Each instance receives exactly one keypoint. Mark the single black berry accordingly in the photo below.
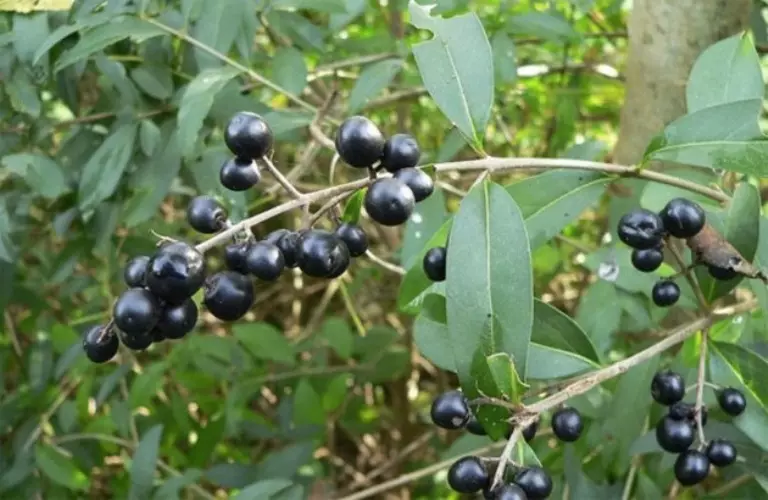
(177, 320)
(136, 311)
(248, 135)
(732, 401)
(359, 142)
(641, 229)
(321, 253)
(157, 335)
(135, 271)
(475, 427)
(100, 346)
(691, 467)
(265, 261)
(683, 218)
(239, 174)
(228, 295)
(450, 410)
(354, 237)
(535, 482)
(418, 181)
(137, 342)
(389, 201)
(567, 424)
(647, 260)
(665, 293)
(468, 475)
(176, 272)
(234, 256)
(721, 452)
(674, 436)
(434, 263)
(206, 215)
(722, 273)
(286, 241)
(400, 151)
(505, 492)
(667, 387)
(687, 412)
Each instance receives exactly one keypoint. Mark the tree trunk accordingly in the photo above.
(665, 38)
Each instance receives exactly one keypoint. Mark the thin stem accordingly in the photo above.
(384, 264)
(509, 448)
(689, 276)
(281, 179)
(329, 206)
(700, 381)
(350, 306)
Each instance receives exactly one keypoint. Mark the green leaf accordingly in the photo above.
(27, 33)
(264, 341)
(307, 405)
(372, 80)
(329, 6)
(149, 136)
(336, 332)
(146, 385)
(504, 58)
(597, 320)
(263, 490)
(506, 377)
(547, 363)
(289, 70)
(549, 26)
(97, 183)
(492, 417)
(154, 79)
(555, 329)
(725, 72)
(354, 8)
(424, 222)
(217, 27)
(489, 286)
(105, 35)
(457, 69)
(307, 36)
(430, 333)
(353, 207)
(415, 283)
(196, 103)
(60, 469)
(144, 462)
(171, 488)
(66, 30)
(656, 195)
(23, 93)
(41, 174)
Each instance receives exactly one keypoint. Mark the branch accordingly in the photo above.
(281, 179)
(700, 382)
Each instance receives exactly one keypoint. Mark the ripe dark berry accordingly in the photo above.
(665, 293)
(687, 412)
(389, 201)
(450, 410)
(248, 135)
(157, 335)
(136, 311)
(535, 482)
(286, 241)
(100, 346)
(722, 273)
(176, 272)
(206, 215)
(475, 427)
(567, 424)
(641, 229)
(468, 475)
(721, 452)
(234, 256)
(418, 181)
(667, 387)
(434, 263)
(321, 253)
(528, 433)
(137, 342)
(177, 320)
(265, 261)
(683, 218)
(400, 151)
(237, 174)
(359, 142)
(506, 492)
(691, 467)
(135, 271)
(674, 436)
(732, 401)
(647, 260)
(228, 295)
(354, 237)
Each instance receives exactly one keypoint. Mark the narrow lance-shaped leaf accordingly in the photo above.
(144, 462)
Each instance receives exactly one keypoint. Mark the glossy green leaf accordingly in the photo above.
(372, 80)
(41, 174)
(354, 8)
(426, 219)
(598, 321)
(217, 28)
(289, 70)
(547, 363)
(263, 490)
(144, 462)
(154, 79)
(60, 469)
(457, 68)
(28, 32)
(549, 26)
(555, 329)
(353, 207)
(336, 333)
(415, 284)
(172, 487)
(305, 34)
(264, 341)
(485, 384)
(504, 58)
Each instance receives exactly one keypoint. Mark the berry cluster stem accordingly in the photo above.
(281, 179)
(509, 449)
(700, 383)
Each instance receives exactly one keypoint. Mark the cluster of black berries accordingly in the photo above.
(451, 410)
(676, 431)
(645, 231)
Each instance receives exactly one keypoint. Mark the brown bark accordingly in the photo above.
(665, 38)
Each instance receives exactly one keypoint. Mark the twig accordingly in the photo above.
(689, 276)
(64, 393)
(509, 448)
(329, 206)
(384, 264)
(280, 178)
(700, 382)
(355, 61)
(11, 327)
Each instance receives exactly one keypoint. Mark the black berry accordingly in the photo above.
(732, 401)
(434, 263)
(135, 271)
(137, 342)
(667, 387)
(206, 215)
(136, 311)
(177, 320)
(419, 182)
(475, 427)
(722, 273)
(228, 295)
(157, 335)
(354, 237)
(321, 253)
(691, 467)
(100, 346)
(248, 136)
(535, 482)
(239, 174)
(683, 218)
(265, 261)
(647, 260)
(506, 492)
(359, 142)
(400, 151)
(528, 433)
(389, 201)
(721, 452)
(665, 293)
(286, 241)
(641, 229)
(567, 424)
(176, 272)
(450, 410)
(234, 256)
(468, 475)
(674, 436)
